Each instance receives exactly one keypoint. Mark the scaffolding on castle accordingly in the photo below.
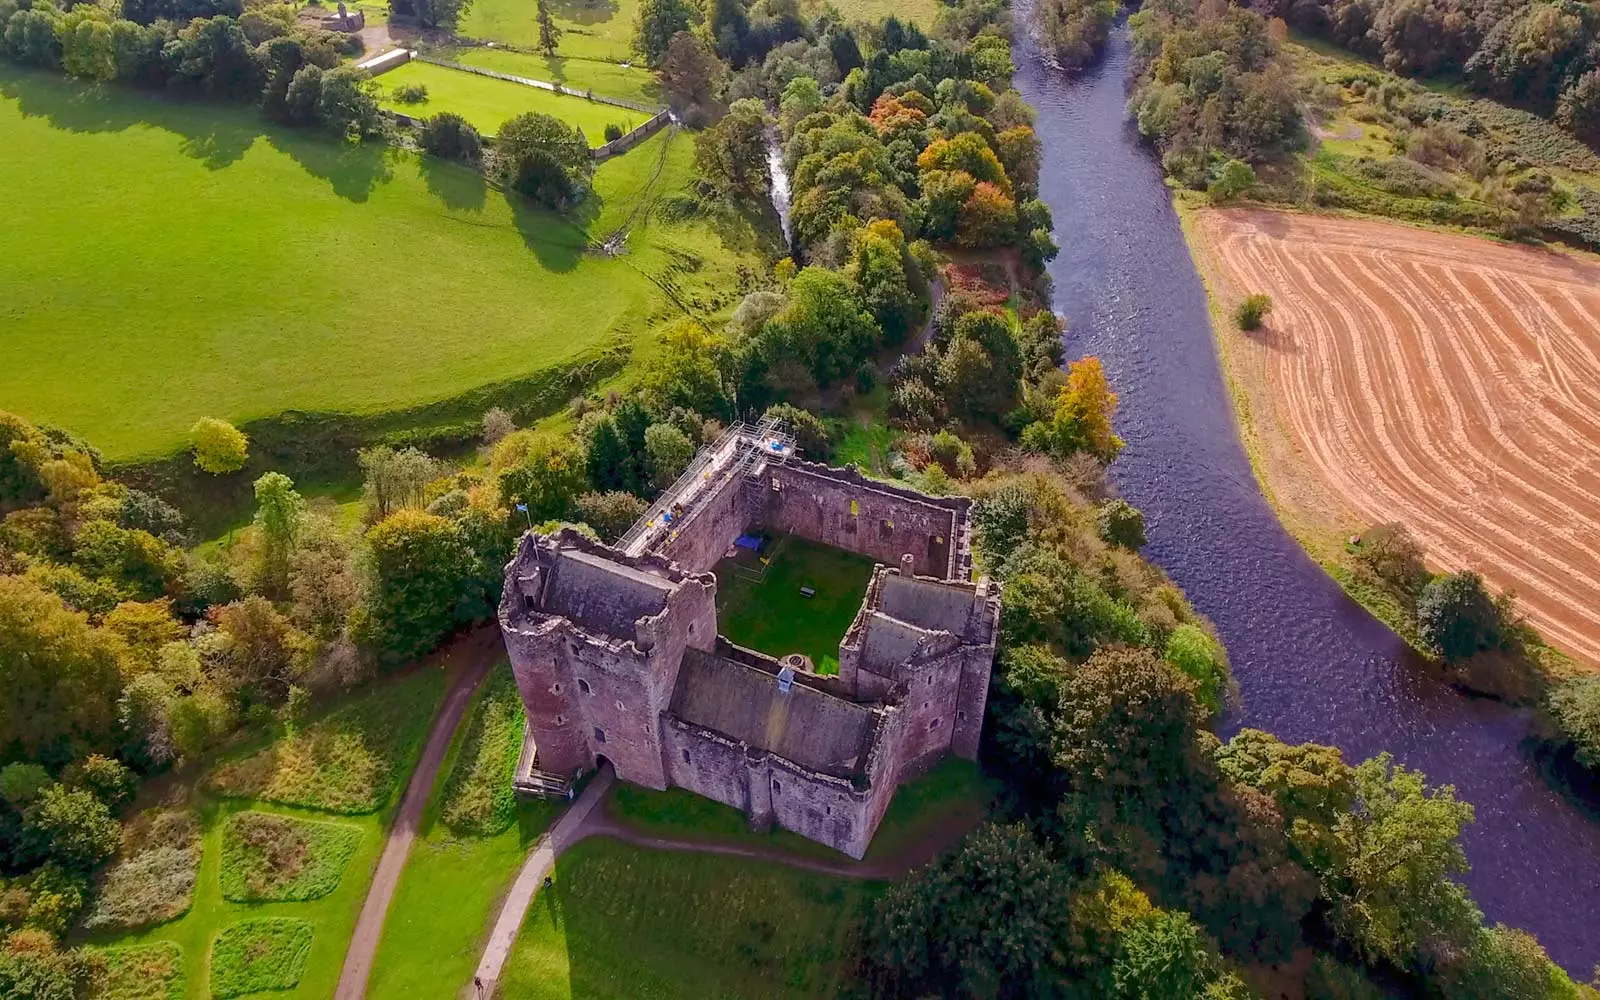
(738, 450)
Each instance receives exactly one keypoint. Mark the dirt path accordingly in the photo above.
(469, 659)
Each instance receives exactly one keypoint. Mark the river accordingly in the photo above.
(1311, 664)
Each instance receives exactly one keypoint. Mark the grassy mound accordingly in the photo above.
(271, 857)
(253, 956)
(350, 761)
(624, 923)
(477, 799)
(142, 972)
(154, 881)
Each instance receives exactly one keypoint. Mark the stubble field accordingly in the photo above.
(1448, 383)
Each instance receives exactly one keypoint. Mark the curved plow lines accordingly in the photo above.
(1448, 383)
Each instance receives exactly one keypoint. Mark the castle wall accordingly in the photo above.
(842, 509)
(702, 540)
(549, 696)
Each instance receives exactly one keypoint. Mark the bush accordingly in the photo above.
(810, 434)
(410, 93)
(1233, 179)
(1199, 658)
(613, 132)
(1575, 707)
(253, 956)
(219, 447)
(610, 514)
(450, 137)
(1119, 522)
(269, 857)
(142, 972)
(150, 886)
(1456, 616)
(1252, 311)
(478, 799)
(349, 762)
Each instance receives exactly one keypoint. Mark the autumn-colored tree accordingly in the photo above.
(969, 152)
(59, 677)
(989, 218)
(219, 447)
(1082, 418)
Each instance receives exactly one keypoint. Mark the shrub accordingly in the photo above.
(810, 434)
(1252, 311)
(613, 132)
(142, 972)
(1457, 618)
(478, 799)
(1119, 522)
(253, 956)
(219, 447)
(410, 93)
(610, 514)
(348, 762)
(270, 857)
(154, 884)
(497, 423)
(450, 137)
(1199, 658)
(1575, 707)
(1233, 179)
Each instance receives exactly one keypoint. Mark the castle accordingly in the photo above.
(618, 658)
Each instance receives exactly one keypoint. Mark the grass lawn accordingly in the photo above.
(488, 103)
(592, 29)
(774, 617)
(950, 799)
(183, 259)
(630, 83)
(622, 923)
(329, 918)
(142, 972)
(452, 884)
(923, 13)
(259, 955)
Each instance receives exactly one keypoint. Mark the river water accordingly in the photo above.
(1311, 664)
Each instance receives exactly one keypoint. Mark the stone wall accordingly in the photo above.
(701, 540)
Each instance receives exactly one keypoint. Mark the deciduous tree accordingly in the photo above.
(219, 447)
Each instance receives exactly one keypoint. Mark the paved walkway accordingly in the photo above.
(470, 658)
(567, 831)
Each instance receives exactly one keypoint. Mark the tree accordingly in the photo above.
(305, 91)
(1075, 30)
(1575, 707)
(989, 920)
(549, 33)
(610, 514)
(440, 13)
(145, 626)
(419, 564)
(1456, 617)
(732, 154)
(395, 479)
(823, 328)
(449, 136)
(86, 44)
(543, 471)
(219, 447)
(59, 677)
(1394, 557)
(878, 265)
(1199, 658)
(215, 56)
(1163, 956)
(542, 158)
(1505, 962)
(280, 515)
(106, 778)
(1119, 522)
(654, 27)
(1233, 179)
(1579, 109)
(31, 35)
(1251, 311)
(690, 75)
(72, 827)
(258, 649)
(347, 104)
(1082, 417)
(667, 452)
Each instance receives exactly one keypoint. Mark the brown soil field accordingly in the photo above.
(1446, 382)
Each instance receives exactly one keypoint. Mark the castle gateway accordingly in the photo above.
(617, 652)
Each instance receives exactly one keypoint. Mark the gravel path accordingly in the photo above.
(469, 659)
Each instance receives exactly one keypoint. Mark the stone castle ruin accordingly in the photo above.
(618, 658)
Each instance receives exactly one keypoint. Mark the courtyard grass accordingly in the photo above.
(772, 616)
(592, 29)
(452, 884)
(606, 78)
(267, 857)
(622, 923)
(241, 270)
(488, 103)
(330, 918)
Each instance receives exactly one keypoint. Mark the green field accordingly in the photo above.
(488, 103)
(622, 923)
(630, 83)
(923, 13)
(774, 617)
(593, 29)
(177, 260)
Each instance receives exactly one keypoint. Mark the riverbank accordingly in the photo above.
(1319, 515)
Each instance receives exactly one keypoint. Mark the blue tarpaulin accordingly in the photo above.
(751, 542)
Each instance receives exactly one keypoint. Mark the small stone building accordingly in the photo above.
(617, 655)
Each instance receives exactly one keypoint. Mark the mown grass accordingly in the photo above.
(773, 616)
(350, 761)
(241, 270)
(622, 923)
(142, 972)
(592, 29)
(923, 13)
(268, 857)
(452, 883)
(488, 103)
(254, 956)
(609, 79)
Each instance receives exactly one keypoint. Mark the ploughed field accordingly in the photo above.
(1445, 382)
(167, 260)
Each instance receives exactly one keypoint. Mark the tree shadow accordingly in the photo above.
(353, 170)
(558, 241)
(582, 11)
(460, 188)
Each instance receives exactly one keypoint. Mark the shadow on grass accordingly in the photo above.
(460, 188)
(557, 240)
(584, 11)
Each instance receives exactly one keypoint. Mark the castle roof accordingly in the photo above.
(927, 603)
(809, 727)
(604, 595)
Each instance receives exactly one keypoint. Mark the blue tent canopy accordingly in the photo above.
(751, 542)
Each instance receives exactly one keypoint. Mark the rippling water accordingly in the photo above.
(1311, 664)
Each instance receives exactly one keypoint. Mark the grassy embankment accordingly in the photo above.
(474, 837)
(488, 103)
(344, 769)
(241, 270)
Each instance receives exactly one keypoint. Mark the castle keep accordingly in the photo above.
(617, 654)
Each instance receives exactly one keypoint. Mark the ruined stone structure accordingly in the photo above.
(617, 656)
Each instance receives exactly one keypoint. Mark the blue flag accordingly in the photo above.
(522, 507)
